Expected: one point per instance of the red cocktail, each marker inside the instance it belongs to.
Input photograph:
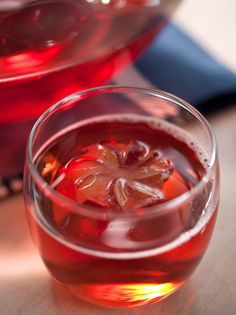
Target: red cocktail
(121, 188)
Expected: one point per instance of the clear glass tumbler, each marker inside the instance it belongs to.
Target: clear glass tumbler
(122, 188)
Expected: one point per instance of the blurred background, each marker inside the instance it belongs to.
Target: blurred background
(194, 56)
(212, 24)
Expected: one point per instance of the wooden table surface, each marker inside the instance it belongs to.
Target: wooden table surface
(26, 288)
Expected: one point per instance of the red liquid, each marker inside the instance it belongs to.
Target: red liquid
(119, 261)
(51, 49)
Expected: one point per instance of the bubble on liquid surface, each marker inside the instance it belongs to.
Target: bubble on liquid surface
(118, 176)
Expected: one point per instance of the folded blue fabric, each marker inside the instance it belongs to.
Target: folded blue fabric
(176, 64)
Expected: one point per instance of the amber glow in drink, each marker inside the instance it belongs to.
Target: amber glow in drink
(120, 168)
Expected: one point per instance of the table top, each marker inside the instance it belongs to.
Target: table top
(25, 285)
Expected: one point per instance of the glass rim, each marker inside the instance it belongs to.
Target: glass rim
(92, 211)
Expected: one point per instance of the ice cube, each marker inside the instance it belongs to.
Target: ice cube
(154, 172)
(82, 167)
(95, 189)
(166, 167)
(129, 194)
(103, 154)
(150, 175)
(138, 151)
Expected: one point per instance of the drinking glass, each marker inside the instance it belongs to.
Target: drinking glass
(138, 252)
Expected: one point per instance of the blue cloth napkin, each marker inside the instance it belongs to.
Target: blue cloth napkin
(177, 64)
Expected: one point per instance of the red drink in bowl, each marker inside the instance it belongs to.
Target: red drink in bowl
(52, 48)
(127, 207)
